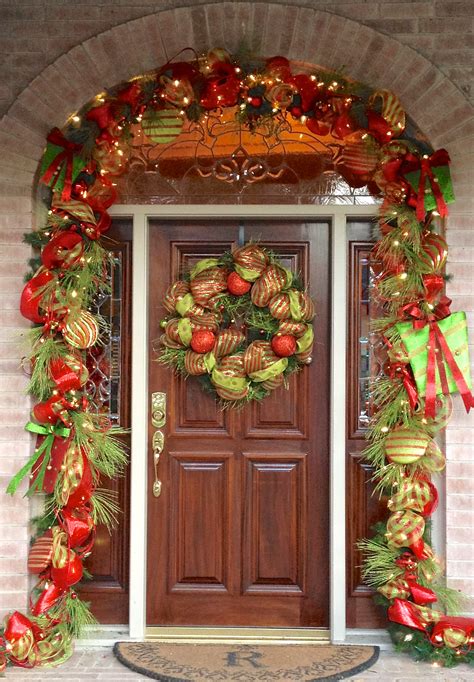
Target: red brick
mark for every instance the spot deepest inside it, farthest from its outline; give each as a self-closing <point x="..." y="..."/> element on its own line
<point x="454" y="9"/>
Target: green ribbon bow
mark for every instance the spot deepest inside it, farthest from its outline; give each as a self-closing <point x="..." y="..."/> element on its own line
<point x="185" y="304"/>
<point x="50" y="432"/>
<point x="210" y="361"/>
<point x="270" y="372"/>
<point x="185" y="332"/>
<point x="203" y="264"/>
<point x="219" y="378"/>
<point x="247" y="274"/>
<point x="296" y="311"/>
<point x="305" y="341"/>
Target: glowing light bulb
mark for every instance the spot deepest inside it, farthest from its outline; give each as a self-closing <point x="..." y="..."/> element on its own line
<point x="76" y="118"/>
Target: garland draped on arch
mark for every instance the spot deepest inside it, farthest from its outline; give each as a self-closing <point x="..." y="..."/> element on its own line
<point x="427" y="357"/>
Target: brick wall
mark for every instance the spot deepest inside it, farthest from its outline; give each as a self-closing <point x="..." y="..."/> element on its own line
<point x="58" y="55"/>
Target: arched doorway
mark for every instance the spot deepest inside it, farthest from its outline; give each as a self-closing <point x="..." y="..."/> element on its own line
<point x="181" y="13"/>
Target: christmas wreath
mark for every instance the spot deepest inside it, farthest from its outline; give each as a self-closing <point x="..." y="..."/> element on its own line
<point x="222" y="302"/>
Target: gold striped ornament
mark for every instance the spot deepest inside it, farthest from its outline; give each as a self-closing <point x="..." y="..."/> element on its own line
<point x="162" y="126"/>
<point x="361" y="153"/>
<point x="81" y="330"/>
<point x="406" y="446"/>
<point x="434" y="253"/>
<point x="391" y="110"/>
<point x="41" y="553"/>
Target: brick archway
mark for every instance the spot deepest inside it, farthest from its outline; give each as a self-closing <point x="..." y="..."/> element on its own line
<point x="300" y="33"/>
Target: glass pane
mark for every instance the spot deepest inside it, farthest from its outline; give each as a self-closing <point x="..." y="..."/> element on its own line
<point x="219" y="161"/>
<point x="104" y="361"/>
<point x="371" y="353"/>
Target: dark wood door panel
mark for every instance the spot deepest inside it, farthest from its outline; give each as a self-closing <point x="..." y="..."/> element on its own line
<point x="200" y="514"/>
<point x="275" y="524"/>
<point x="280" y="415"/>
<point x="193" y="411"/>
<point x="239" y="535"/>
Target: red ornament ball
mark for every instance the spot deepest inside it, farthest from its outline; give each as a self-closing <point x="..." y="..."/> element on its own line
<point x="284" y="345"/>
<point x="203" y="341"/>
<point x="237" y="285"/>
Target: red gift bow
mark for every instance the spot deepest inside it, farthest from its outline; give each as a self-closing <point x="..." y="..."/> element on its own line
<point x="65" y="157"/>
<point x="433" y="285"/>
<point x="401" y="370"/>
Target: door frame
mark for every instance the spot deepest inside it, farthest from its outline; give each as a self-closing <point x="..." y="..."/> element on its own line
<point x="140" y="214"/>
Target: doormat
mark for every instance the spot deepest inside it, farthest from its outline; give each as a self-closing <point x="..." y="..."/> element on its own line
<point x="246" y="662"/>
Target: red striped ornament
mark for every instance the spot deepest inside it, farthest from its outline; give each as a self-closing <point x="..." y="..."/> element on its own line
<point x="81" y="330"/>
<point x="434" y="253"/>
<point x="406" y="446"/>
<point x="419" y="495"/>
<point x="41" y="553"/>
<point x="361" y="153"/>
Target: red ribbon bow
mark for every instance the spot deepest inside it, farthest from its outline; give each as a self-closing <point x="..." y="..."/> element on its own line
<point x="439" y="158"/>
<point x="65" y="157"/>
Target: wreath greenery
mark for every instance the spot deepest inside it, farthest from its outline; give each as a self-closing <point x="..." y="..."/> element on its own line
<point x="241" y="323"/>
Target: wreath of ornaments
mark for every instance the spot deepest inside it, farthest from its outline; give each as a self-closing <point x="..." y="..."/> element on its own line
<point x="426" y="344"/>
<point x="211" y="313"/>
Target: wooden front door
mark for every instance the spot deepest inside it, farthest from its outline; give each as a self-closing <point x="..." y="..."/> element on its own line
<point x="240" y="532"/>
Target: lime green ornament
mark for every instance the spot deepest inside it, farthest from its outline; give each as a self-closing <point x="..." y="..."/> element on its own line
<point x="162" y="126"/>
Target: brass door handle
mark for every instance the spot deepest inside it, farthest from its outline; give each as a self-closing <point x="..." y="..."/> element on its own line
<point x="158" y="419"/>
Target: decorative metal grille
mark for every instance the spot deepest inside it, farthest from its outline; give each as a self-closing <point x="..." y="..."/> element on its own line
<point x="104" y="361"/>
<point x="220" y="161"/>
<point x="372" y="351"/>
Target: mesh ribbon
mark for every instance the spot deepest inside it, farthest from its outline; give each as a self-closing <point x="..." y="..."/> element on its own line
<point x="250" y="261"/>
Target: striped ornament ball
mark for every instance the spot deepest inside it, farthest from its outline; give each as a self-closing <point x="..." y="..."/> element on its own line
<point x="81" y="330"/>
<point x="406" y="446"/>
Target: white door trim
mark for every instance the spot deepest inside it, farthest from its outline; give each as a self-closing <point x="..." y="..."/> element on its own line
<point x="140" y="395"/>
